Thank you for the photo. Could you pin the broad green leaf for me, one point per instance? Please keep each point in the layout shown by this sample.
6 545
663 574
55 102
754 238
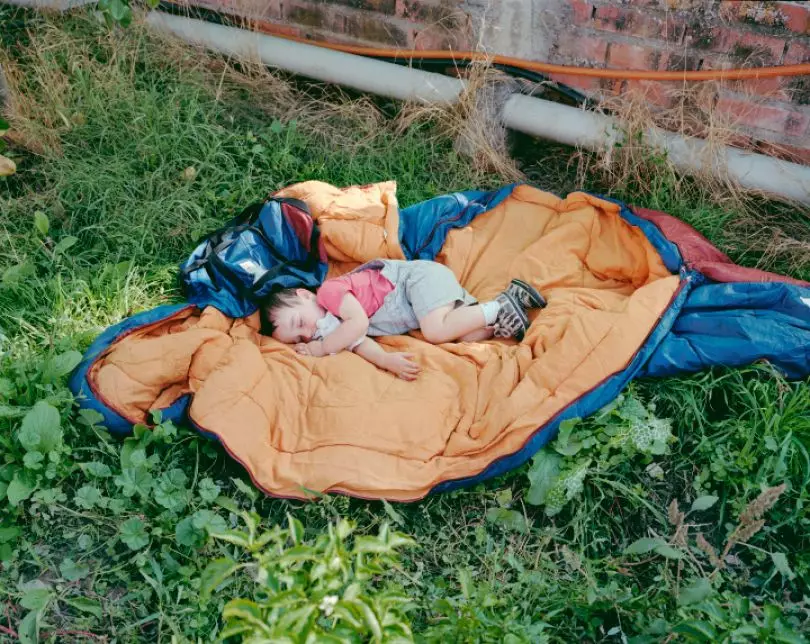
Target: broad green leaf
19 489
90 417
643 545
85 604
97 469
508 519
244 488
17 273
668 551
133 533
40 430
696 631
542 475
209 521
703 503
72 571
117 10
780 561
28 630
64 244
208 490
237 537
36 599
695 592
186 534
87 496
369 618
170 491
395 516
134 480
64 363
4 126
504 497
215 573
242 609
33 460
295 528
9 534
41 222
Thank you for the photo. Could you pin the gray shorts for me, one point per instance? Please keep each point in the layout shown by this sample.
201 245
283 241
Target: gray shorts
420 287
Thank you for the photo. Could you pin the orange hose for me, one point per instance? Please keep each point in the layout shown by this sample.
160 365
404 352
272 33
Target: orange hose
546 68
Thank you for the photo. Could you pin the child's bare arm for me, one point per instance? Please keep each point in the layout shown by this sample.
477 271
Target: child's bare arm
400 364
353 327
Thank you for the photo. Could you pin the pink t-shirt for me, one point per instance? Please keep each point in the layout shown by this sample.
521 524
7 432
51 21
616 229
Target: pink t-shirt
369 287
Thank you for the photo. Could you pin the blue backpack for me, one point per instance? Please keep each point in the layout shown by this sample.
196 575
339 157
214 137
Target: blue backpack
270 245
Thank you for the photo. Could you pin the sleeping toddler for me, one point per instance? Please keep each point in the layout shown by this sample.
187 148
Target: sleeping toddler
390 297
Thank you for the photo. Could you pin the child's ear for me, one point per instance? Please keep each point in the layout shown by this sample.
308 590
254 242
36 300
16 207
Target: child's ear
304 293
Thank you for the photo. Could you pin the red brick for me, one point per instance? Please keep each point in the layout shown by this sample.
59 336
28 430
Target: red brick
584 83
674 28
796 17
681 60
358 25
653 92
799 90
760 13
306 15
581 48
788 152
426 12
768 87
773 119
797 53
745 46
437 37
717 61
773 88
372 28
623 56
581 11
611 86
743 141
628 21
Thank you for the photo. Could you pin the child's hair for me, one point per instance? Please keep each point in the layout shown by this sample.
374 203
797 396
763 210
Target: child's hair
273 303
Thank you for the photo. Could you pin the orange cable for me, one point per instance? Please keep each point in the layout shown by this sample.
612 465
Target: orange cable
546 68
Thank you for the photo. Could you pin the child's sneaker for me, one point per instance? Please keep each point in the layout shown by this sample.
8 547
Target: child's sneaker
526 295
512 320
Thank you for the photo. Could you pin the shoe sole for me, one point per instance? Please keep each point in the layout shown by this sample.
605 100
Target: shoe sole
536 300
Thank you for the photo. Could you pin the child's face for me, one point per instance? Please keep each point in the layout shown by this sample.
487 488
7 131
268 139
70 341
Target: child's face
298 323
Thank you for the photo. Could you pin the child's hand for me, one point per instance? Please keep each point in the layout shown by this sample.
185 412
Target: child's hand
402 365
314 349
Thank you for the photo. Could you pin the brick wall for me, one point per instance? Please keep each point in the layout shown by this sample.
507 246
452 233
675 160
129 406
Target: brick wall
406 24
620 34
701 34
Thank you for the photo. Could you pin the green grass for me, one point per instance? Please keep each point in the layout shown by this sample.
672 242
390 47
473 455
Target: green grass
109 538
